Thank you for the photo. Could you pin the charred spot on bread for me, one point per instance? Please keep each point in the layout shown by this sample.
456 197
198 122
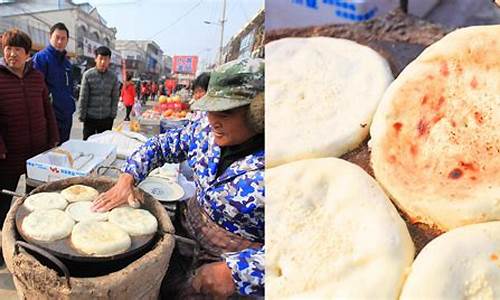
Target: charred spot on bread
455 173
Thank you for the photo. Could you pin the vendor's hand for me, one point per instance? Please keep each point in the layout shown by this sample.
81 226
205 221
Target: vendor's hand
121 193
214 279
3 156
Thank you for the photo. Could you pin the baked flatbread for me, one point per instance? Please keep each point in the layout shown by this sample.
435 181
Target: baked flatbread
321 94
436 134
81 211
79 192
47 225
134 221
463 263
100 238
45 201
331 233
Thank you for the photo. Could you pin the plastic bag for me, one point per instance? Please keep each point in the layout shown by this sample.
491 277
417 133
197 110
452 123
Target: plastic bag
121 106
137 109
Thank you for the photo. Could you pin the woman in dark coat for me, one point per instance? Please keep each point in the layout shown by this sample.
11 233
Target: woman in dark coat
27 121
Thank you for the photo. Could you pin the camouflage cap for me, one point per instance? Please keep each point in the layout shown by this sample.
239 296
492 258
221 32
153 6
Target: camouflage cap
232 85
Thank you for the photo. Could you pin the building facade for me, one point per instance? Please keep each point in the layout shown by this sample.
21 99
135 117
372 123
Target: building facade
167 66
87 29
134 57
144 58
249 41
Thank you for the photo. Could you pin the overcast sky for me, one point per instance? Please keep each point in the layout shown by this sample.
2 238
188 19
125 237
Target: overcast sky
177 25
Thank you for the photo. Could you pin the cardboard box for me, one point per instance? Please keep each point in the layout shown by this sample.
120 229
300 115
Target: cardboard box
40 168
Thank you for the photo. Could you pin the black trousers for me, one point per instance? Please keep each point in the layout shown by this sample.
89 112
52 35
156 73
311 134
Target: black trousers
129 109
93 126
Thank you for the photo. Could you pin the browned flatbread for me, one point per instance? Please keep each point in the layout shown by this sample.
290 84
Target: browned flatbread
435 139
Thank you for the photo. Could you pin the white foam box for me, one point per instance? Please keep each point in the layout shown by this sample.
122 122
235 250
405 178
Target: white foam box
40 167
302 13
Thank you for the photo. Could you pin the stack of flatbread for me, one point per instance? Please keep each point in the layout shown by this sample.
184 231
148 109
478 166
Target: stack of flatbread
93 233
435 143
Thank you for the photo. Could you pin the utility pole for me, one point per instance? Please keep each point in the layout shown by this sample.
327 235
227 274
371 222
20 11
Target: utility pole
222 21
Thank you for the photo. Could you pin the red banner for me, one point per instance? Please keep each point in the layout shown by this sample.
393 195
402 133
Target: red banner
184 64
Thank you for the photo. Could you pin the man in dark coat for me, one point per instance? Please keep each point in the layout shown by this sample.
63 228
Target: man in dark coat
27 121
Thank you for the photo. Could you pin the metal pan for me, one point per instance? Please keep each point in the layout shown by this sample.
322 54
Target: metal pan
63 247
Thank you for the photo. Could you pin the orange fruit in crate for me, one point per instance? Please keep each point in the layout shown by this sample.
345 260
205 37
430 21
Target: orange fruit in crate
168 113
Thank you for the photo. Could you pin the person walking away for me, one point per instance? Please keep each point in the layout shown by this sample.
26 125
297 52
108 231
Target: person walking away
99 95
57 70
27 122
128 95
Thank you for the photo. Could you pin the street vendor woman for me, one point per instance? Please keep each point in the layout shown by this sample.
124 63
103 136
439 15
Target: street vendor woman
226 217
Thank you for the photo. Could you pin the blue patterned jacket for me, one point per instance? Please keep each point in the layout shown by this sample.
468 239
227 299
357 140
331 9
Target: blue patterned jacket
234 200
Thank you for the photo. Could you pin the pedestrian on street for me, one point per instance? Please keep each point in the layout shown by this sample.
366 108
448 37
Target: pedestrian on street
99 95
154 90
57 69
161 90
128 95
148 91
138 88
27 121
144 92
169 86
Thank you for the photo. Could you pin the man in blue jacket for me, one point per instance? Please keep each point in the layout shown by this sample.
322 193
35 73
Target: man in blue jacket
56 68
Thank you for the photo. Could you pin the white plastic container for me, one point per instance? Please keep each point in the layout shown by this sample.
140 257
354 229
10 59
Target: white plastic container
302 13
94 155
